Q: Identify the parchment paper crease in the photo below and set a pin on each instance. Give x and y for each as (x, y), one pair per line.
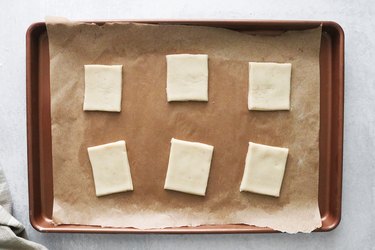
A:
(147, 123)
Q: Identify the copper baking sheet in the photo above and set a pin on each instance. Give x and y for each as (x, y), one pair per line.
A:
(331, 128)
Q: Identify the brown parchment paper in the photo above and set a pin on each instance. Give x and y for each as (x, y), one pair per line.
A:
(147, 123)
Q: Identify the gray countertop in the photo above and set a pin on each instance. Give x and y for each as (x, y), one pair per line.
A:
(358, 209)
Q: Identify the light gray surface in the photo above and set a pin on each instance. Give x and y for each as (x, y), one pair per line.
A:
(354, 232)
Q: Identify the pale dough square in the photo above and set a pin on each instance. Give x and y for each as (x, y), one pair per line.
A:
(103, 87)
(188, 167)
(269, 86)
(264, 169)
(187, 77)
(110, 167)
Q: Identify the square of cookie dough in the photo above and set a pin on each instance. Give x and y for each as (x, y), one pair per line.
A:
(188, 167)
(110, 167)
(187, 77)
(103, 88)
(264, 169)
(269, 86)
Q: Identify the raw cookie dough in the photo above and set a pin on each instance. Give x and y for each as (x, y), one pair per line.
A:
(187, 77)
(264, 169)
(110, 167)
(269, 86)
(188, 167)
(103, 87)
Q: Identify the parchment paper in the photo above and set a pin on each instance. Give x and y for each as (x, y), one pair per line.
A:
(147, 123)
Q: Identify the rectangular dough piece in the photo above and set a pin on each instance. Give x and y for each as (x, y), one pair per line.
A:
(264, 169)
(188, 167)
(187, 77)
(110, 167)
(103, 88)
(269, 86)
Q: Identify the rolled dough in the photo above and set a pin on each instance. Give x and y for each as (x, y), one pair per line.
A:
(187, 77)
(264, 169)
(188, 167)
(110, 167)
(269, 86)
(103, 87)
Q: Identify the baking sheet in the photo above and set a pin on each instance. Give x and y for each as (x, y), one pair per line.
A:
(148, 123)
